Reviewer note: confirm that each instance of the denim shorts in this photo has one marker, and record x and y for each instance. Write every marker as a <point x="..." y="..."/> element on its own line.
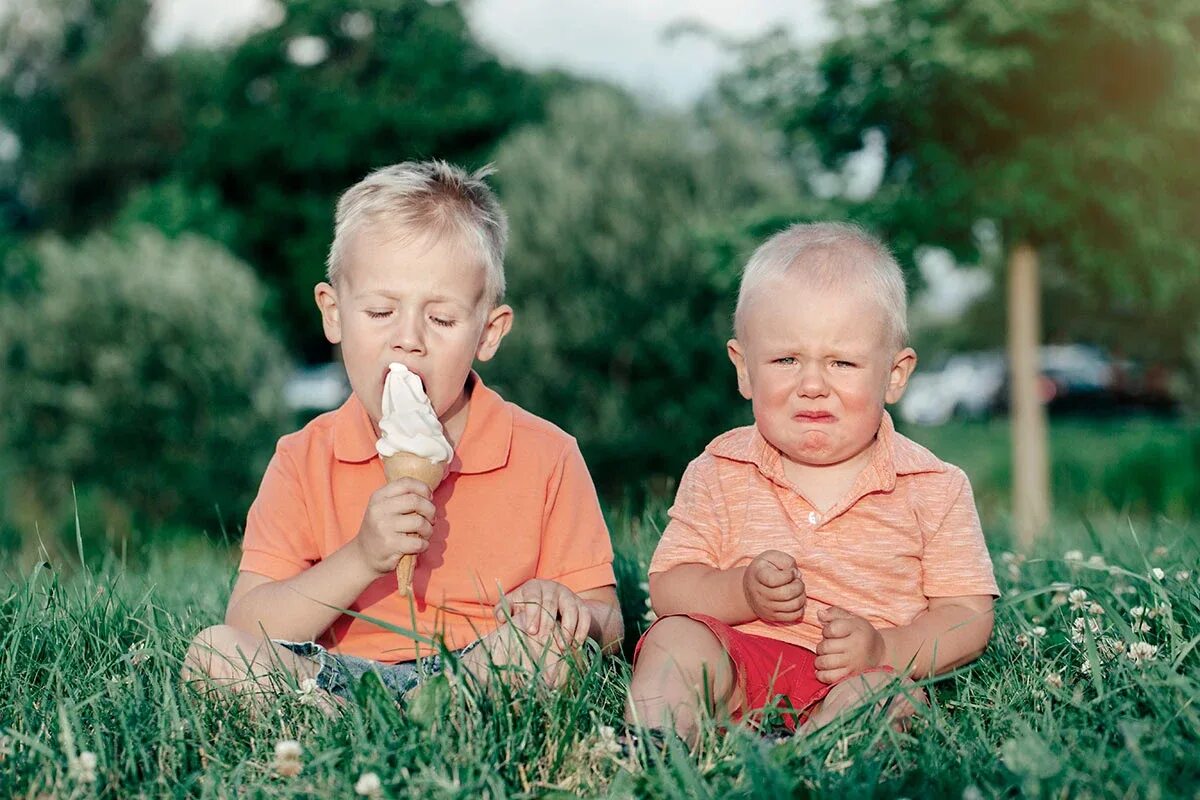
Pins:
<point x="338" y="673"/>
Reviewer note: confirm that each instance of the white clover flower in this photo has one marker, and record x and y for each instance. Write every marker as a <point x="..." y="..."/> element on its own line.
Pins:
<point x="1164" y="610"/>
<point x="1159" y="552"/>
<point x="1008" y="558"/>
<point x="1073" y="556"/>
<point x="1059" y="599"/>
<point x="307" y="691"/>
<point x="1038" y="630"/>
<point x="1096" y="561"/>
<point x="1140" y="626"/>
<point x="1054" y="680"/>
<point x="288" y="749"/>
<point x="1157" y="574"/>
<point x="1086" y="666"/>
<point x="368" y="785"/>
<point x="1183" y="575"/>
<point x="1142" y="652"/>
<point x="287" y="758"/>
<point x="1077" y="598"/>
<point x="1137" y="611"/>
<point x="1023" y="640"/>
<point x="1095" y="609"/>
<point x="83" y="767"/>
<point x="972" y="792"/>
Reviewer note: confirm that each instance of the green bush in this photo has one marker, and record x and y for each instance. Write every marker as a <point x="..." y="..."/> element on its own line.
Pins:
<point x="138" y="373"/>
<point x="627" y="240"/>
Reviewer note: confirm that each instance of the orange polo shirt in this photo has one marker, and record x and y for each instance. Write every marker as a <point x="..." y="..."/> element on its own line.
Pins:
<point x="517" y="503"/>
<point x="905" y="532"/>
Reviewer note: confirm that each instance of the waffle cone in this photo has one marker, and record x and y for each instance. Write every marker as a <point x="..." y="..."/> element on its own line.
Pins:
<point x="430" y="473"/>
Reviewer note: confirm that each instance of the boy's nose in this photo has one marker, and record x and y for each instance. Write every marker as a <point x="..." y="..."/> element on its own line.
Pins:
<point x="812" y="381"/>
<point x="406" y="336"/>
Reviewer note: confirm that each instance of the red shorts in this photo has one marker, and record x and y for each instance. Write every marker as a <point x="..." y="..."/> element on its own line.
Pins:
<point x="772" y="673"/>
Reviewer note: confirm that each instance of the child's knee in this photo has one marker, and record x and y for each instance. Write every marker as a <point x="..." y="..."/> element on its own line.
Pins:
<point x="216" y="652"/>
<point x="679" y="639"/>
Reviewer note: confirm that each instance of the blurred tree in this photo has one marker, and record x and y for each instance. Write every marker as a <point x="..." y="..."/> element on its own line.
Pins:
<point x="627" y="238"/>
<point x="248" y="144"/>
<point x="139" y="368"/>
<point x="91" y="109"/>
<point x="295" y="114"/>
<point x="1071" y="125"/>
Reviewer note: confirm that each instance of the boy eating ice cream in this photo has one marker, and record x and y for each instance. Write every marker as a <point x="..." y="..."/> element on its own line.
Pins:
<point x="512" y="553"/>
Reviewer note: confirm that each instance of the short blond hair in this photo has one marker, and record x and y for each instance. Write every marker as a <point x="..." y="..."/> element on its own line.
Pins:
<point x="830" y="255"/>
<point x="432" y="198"/>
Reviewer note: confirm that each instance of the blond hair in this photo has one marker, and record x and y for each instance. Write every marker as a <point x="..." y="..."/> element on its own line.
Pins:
<point x="830" y="255"/>
<point x="432" y="198"/>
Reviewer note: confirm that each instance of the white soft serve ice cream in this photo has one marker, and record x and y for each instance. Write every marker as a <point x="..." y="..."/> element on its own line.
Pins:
<point x="409" y="424"/>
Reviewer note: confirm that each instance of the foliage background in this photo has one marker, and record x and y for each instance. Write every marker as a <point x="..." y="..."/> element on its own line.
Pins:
<point x="164" y="216"/>
<point x="630" y="221"/>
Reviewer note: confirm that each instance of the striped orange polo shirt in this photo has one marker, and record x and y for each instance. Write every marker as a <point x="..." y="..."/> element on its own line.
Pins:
<point x="905" y="532"/>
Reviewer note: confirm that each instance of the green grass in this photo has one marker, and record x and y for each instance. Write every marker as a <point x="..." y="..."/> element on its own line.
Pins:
<point x="1139" y="465"/>
<point x="89" y="659"/>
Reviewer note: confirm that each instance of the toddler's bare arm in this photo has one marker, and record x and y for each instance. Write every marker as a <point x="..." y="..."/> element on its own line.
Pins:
<point x="701" y="589"/>
<point x="954" y="631"/>
<point x="771" y="589"/>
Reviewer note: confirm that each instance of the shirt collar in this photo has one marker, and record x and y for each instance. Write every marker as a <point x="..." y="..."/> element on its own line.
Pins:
<point x="892" y="455"/>
<point x="485" y="442"/>
<point x="488" y="437"/>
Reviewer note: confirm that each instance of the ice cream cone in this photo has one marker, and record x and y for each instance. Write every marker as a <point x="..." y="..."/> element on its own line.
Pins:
<point x="430" y="473"/>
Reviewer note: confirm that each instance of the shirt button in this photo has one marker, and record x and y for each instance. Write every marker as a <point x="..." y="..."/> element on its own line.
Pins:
<point x="812" y="518"/>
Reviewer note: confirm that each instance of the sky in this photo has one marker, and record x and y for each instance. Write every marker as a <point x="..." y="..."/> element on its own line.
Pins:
<point x="621" y="40"/>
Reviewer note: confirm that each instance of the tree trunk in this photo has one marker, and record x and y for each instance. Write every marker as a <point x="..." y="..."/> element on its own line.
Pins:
<point x="1030" y="460"/>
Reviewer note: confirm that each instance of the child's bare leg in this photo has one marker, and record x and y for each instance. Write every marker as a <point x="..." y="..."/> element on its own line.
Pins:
<point x="681" y="666"/>
<point x="858" y="691"/>
<point x="228" y="658"/>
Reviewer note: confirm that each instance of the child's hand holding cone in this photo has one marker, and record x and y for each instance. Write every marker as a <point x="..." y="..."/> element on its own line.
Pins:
<point x="430" y="473"/>
<point x="412" y="444"/>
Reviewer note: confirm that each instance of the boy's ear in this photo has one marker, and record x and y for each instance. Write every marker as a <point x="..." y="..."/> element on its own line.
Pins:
<point x="331" y="316"/>
<point x="734" y="348"/>
<point x="495" y="328"/>
<point x="902" y="367"/>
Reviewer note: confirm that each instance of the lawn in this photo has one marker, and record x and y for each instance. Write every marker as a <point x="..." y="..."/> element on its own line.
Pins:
<point x="1090" y="688"/>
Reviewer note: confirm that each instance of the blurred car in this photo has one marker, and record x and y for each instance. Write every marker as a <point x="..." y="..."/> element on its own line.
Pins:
<point x="1074" y="378"/>
<point x="967" y="385"/>
<point x="316" y="388"/>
